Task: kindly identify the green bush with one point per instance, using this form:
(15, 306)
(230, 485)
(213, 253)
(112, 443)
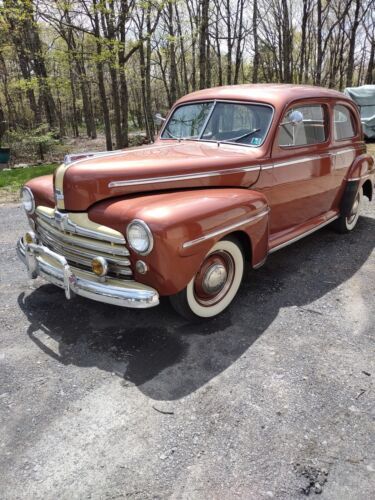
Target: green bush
(30, 143)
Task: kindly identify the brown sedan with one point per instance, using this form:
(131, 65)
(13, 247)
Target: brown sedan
(235, 174)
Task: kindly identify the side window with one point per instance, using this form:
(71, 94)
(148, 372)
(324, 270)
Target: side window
(303, 125)
(343, 123)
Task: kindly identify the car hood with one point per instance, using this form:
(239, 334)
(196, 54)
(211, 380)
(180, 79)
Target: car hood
(161, 166)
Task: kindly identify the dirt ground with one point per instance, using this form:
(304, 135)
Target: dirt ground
(274, 399)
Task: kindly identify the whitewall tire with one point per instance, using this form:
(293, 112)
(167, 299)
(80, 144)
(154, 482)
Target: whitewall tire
(216, 283)
(345, 224)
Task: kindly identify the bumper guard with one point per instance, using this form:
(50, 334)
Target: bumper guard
(54, 268)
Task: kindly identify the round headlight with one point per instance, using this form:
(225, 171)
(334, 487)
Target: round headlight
(140, 237)
(27, 199)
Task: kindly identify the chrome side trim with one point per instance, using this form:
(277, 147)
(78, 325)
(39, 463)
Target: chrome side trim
(189, 244)
(131, 294)
(299, 160)
(62, 222)
(360, 177)
(343, 151)
(300, 236)
(173, 178)
(305, 158)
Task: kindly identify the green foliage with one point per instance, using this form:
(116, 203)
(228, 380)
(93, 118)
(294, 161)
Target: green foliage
(36, 141)
(15, 179)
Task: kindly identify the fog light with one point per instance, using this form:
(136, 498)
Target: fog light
(99, 266)
(141, 267)
(30, 237)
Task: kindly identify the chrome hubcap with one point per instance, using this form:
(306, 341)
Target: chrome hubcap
(215, 278)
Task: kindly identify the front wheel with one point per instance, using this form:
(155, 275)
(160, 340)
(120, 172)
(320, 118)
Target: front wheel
(346, 224)
(216, 283)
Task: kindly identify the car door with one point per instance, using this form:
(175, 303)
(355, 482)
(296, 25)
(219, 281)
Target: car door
(301, 167)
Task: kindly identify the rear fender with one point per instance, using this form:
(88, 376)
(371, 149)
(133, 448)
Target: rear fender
(185, 225)
(361, 171)
(362, 167)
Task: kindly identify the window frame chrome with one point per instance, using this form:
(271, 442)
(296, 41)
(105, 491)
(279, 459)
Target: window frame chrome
(327, 127)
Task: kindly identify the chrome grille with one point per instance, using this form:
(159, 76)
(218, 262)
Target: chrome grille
(80, 245)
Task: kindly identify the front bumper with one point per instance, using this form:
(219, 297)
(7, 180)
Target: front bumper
(43, 262)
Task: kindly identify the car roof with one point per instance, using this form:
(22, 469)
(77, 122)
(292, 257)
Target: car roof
(269, 93)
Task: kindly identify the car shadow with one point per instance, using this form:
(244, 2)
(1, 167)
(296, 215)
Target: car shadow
(165, 356)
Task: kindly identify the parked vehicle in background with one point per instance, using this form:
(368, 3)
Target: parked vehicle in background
(235, 174)
(364, 97)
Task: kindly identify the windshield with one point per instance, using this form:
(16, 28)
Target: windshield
(220, 121)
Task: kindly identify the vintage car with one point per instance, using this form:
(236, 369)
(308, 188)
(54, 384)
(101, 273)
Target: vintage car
(235, 174)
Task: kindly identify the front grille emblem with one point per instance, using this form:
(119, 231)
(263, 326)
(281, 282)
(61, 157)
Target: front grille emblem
(58, 194)
(61, 219)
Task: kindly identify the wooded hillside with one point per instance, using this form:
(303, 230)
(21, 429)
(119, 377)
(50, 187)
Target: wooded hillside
(75, 67)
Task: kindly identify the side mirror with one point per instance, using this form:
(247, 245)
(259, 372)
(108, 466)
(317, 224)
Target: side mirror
(296, 117)
(159, 119)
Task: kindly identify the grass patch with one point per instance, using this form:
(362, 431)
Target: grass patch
(13, 180)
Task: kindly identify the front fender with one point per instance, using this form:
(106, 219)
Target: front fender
(185, 226)
(42, 189)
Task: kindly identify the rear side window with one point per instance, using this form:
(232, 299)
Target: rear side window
(303, 125)
(344, 127)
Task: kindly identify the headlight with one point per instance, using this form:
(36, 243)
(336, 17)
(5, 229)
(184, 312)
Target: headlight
(140, 237)
(27, 199)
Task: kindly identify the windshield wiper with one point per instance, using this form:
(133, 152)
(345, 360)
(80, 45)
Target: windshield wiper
(173, 136)
(236, 139)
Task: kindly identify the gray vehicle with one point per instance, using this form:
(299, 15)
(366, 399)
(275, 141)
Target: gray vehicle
(365, 98)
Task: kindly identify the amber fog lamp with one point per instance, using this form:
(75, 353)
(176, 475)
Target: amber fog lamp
(30, 237)
(99, 266)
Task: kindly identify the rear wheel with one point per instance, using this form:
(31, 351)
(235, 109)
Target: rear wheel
(348, 223)
(216, 283)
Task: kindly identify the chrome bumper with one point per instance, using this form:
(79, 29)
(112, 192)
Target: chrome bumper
(43, 262)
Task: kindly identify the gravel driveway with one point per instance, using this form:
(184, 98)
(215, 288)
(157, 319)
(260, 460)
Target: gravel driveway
(275, 399)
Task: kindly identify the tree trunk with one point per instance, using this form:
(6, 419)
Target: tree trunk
(287, 43)
(172, 55)
(74, 98)
(353, 34)
(305, 17)
(229, 42)
(202, 43)
(256, 42)
(370, 68)
(101, 84)
(319, 53)
(237, 66)
(183, 52)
